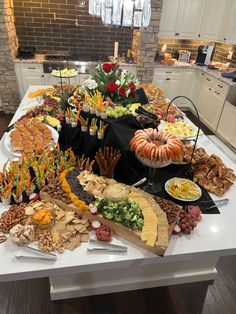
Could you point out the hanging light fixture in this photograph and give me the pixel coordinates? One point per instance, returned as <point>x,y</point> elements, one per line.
<point>130,13</point>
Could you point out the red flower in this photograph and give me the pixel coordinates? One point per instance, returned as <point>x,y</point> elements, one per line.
<point>107,67</point>
<point>122,92</point>
<point>112,88</point>
<point>132,87</point>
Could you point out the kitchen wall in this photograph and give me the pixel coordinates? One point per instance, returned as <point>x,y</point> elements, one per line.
<point>36,26</point>
<point>144,44</point>
<point>9,95</point>
<point>220,55</point>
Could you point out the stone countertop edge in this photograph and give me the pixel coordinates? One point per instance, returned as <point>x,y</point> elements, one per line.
<point>214,73</point>
<point>40,60</point>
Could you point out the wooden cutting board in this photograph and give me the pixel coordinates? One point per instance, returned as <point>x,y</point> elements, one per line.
<point>122,231</point>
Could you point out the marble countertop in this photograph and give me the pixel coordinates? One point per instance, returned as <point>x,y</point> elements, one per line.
<point>39,58</point>
<point>214,73</point>
<point>214,236</point>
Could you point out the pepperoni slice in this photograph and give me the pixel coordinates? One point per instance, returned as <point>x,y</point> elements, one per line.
<point>104,233</point>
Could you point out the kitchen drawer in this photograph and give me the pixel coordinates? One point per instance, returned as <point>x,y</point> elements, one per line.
<point>208,79</point>
<point>221,86</point>
<point>31,67</point>
<point>167,71</point>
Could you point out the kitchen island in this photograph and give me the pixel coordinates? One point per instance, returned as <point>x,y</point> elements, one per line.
<point>188,258</point>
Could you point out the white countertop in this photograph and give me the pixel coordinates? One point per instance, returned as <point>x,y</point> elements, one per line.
<point>214,235</point>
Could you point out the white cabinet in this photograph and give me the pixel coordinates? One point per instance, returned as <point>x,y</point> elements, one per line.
<point>29,74</point>
<point>210,105</point>
<point>228,26</point>
<point>227,125</point>
<point>170,17</point>
<point>187,87</point>
<point>169,80</point>
<point>212,19</point>
<point>190,18</point>
<point>207,19</point>
<point>181,18</point>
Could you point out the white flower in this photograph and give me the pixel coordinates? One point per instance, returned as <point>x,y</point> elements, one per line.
<point>118,82</point>
<point>90,84</point>
<point>124,73</point>
<point>127,92</point>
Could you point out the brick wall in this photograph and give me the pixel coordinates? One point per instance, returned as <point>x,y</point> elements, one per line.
<point>220,55</point>
<point>36,26</point>
<point>9,94</point>
<point>145,44</point>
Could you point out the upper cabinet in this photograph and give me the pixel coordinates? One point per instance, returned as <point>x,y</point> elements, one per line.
<point>181,18</point>
<point>228,26</point>
<point>190,18</point>
<point>170,17</point>
<point>212,19</point>
<point>203,19</point>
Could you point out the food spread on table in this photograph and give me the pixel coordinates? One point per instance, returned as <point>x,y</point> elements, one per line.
<point>183,189</point>
<point>182,129</point>
<point>30,136</point>
<point>156,146</point>
<point>65,72</point>
<point>60,197</point>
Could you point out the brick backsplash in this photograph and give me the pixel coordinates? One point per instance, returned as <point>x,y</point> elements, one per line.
<point>220,55</point>
<point>36,26</point>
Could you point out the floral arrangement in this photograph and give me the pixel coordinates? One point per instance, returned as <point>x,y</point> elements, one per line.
<point>115,84</point>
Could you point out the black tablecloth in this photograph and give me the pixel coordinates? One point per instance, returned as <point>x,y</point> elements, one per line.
<point>118,135</point>
<point>128,170</point>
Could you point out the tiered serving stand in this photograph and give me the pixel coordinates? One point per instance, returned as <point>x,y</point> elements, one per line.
<point>152,186</point>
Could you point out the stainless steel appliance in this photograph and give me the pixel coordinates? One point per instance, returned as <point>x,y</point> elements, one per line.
<point>205,54</point>
<point>83,64</point>
<point>26,52</point>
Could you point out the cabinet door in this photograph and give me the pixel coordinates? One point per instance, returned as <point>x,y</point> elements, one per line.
<point>190,18</point>
<point>162,82</point>
<point>227,125</point>
<point>186,88</point>
<point>231,31</point>
<point>213,110</point>
<point>32,79</point>
<point>174,86</point>
<point>169,17</point>
<point>212,18</point>
<point>203,100</point>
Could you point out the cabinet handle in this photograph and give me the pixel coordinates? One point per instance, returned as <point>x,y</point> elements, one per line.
<point>42,75</point>
<point>168,72</point>
<point>31,68</point>
<point>167,79</point>
<point>203,73</point>
<point>208,79</point>
<point>209,88</point>
<point>217,92</point>
<point>221,86</point>
<point>224,39</point>
<point>199,35</point>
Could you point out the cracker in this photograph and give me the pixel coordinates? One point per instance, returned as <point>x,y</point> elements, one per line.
<point>73,243</point>
<point>60,215</point>
<point>69,216</point>
<point>84,237</point>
